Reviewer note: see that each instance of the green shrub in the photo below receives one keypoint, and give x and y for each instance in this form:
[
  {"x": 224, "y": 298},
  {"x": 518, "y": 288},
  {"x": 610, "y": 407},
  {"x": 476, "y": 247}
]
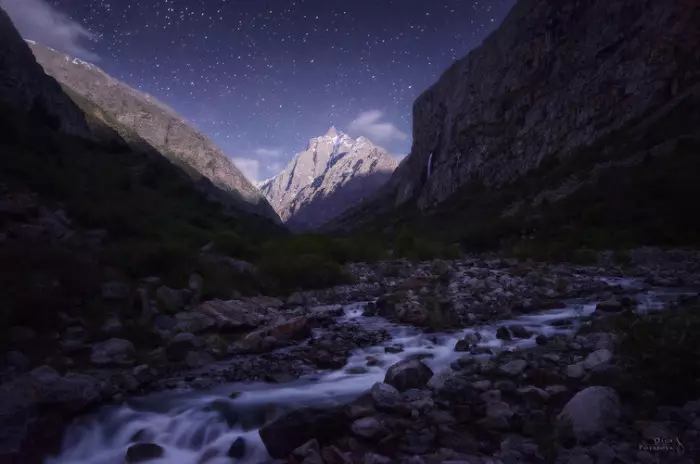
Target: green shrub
[
  {"x": 229, "y": 243},
  {"x": 584, "y": 256},
  {"x": 622, "y": 257},
  {"x": 303, "y": 272}
]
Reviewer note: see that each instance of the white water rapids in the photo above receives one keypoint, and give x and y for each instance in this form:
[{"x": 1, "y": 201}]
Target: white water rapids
[{"x": 196, "y": 427}]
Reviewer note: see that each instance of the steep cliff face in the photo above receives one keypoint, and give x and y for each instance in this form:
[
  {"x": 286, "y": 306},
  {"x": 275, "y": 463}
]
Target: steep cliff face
[
  {"x": 571, "y": 109},
  {"x": 138, "y": 115},
  {"x": 25, "y": 86},
  {"x": 555, "y": 78},
  {"x": 334, "y": 173}
]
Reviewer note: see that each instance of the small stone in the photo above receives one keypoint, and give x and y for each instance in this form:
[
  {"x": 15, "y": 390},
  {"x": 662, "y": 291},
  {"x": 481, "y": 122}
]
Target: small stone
[
  {"x": 491, "y": 396},
  {"x": 609, "y": 306},
  {"x": 462, "y": 345},
  {"x": 519, "y": 331},
  {"x": 515, "y": 367},
  {"x": 369, "y": 428},
  {"x": 502, "y": 333},
  {"x": 141, "y": 452},
  {"x": 237, "y": 449},
  {"x": 575, "y": 371},
  {"x": 541, "y": 340},
  {"x": 597, "y": 358},
  {"x": 481, "y": 385}
]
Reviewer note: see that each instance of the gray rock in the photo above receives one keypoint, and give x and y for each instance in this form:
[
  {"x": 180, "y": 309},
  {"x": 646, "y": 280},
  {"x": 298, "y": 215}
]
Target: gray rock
[
  {"x": 575, "y": 371},
  {"x": 180, "y": 345},
  {"x": 597, "y": 358},
  {"x": 589, "y": 413},
  {"x": 291, "y": 430},
  {"x": 385, "y": 396},
  {"x": 515, "y": 367},
  {"x": 369, "y": 428},
  {"x": 113, "y": 352},
  {"x": 408, "y": 374}
]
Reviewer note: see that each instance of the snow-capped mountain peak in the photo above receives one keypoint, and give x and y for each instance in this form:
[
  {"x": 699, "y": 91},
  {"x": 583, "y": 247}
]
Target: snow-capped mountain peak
[{"x": 332, "y": 174}]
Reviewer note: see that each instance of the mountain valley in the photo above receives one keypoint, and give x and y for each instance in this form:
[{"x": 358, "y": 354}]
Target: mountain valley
[{"x": 523, "y": 287}]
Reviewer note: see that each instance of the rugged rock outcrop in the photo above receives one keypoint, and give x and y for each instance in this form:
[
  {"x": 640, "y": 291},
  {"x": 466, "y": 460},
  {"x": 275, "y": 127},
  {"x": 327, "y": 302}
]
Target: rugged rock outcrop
[
  {"x": 25, "y": 87},
  {"x": 136, "y": 114},
  {"x": 561, "y": 94},
  {"x": 334, "y": 173}
]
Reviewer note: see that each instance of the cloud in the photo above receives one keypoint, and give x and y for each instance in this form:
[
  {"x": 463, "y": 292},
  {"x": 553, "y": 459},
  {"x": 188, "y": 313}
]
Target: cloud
[
  {"x": 367, "y": 123},
  {"x": 269, "y": 153},
  {"x": 249, "y": 167},
  {"x": 37, "y": 20}
]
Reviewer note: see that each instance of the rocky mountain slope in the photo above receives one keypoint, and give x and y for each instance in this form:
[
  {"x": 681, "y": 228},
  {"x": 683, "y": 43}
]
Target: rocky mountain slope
[
  {"x": 334, "y": 173},
  {"x": 567, "y": 105},
  {"x": 137, "y": 115}
]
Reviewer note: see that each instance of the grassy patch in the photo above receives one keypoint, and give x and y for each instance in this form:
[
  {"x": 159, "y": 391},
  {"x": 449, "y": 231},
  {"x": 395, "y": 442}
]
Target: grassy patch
[{"x": 661, "y": 352}]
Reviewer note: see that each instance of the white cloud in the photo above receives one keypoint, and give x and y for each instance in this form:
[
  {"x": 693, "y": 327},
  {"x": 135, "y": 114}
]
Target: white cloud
[
  {"x": 275, "y": 167},
  {"x": 249, "y": 167},
  {"x": 367, "y": 123},
  {"x": 267, "y": 152},
  {"x": 37, "y": 20}
]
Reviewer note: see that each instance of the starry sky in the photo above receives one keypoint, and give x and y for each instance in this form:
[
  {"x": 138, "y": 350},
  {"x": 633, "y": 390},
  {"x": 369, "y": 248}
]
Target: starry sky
[{"x": 261, "y": 77}]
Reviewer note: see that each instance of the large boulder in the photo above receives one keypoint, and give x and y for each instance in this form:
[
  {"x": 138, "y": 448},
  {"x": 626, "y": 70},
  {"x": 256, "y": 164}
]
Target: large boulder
[
  {"x": 229, "y": 315},
  {"x": 589, "y": 413},
  {"x": 408, "y": 374},
  {"x": 113, "y": 352},
  {"x": 286, "y": 433},
  {"x": 293, "y": 329},
  {"x": 180, "y": 345}
]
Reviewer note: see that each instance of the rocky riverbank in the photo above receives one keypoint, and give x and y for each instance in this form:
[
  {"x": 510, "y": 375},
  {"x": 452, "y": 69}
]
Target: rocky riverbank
[{"x": 167, "y": 339}]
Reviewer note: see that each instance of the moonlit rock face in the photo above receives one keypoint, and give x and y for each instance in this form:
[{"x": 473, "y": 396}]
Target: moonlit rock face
[
  {"x": 334, "y": 173},
  {"x": 132, "y": 112}
]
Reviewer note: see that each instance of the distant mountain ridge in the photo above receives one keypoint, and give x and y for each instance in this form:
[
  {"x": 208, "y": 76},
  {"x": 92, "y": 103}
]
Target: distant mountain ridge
[
  {"x": 136, "y": 115},
  {"x": 334, "y": 173}
]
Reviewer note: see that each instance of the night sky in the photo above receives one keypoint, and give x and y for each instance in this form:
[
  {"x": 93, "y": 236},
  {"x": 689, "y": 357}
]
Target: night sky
[{"x": 262, "y": 77}]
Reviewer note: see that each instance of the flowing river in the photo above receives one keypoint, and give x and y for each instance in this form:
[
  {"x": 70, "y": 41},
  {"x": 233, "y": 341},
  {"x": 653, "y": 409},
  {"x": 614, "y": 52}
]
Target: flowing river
[{"x": 196, "y": 427}]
